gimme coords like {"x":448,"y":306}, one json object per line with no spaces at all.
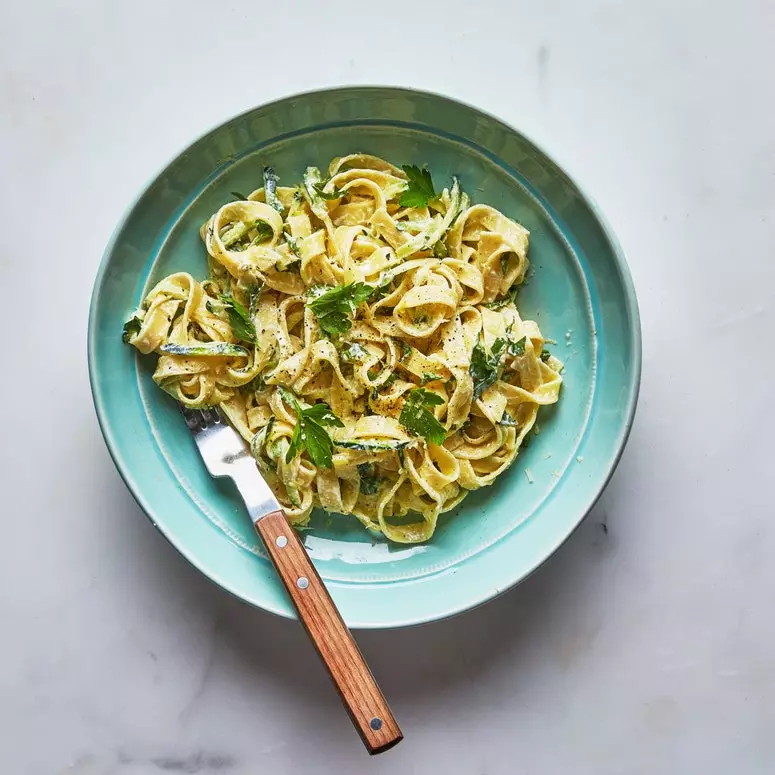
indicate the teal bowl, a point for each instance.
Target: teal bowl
{"x":579,"y":290}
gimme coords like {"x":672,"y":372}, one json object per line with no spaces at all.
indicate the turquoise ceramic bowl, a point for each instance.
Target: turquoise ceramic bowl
{"x":580,"y":285}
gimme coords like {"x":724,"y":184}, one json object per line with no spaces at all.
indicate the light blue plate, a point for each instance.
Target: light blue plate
{"x":579,"y":286}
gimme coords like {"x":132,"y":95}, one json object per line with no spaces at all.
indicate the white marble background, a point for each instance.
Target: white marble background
{"x":646,"y":650}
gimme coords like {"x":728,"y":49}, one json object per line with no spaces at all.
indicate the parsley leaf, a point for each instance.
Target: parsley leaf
{"x":508,"y":421}
{"x":429,"y":376}
{"x":293,"y":245}
{"x":257,"y":385}
{"x":131,"y":327}
{"x":254,"y":292}
{"x":419,"y":190}
{"x":500,"y":303}
{"x":369,"y":479}
{"x":384,"y":287}
{"x":406,"y":349}
{"x":264,"y":231}
{"x":313,"y":180}
{"x":337,"y":193}
{"x":440,"y":249}
{"x":235,"y":236}
{"x":517,"y":348}
{"x":418,"y":420}
{"x":510,"y":297}
{"x":355,"y":352}
{"x":321,"y":414}
{"x":309,"y":432}
{"x":334,"y":308}
{"x":484,"y":365}
{"x":270,"y":190}
{"x":239,"y":319}
{"x":545,"y":355}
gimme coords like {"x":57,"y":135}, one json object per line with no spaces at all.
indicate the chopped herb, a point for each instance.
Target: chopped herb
{"x":264,"y":231}
{"x":406,"y":349}
{"x":418,"y":420}
{"x":255,"y":294}
{"x":334,"y":307}
{"x":213,"y":349}
{"x":237,"y":195}
{"x":293,"y":245}
{"x":239,"y":231}
{"x":293,"y":266}
{"x":440,"y":249}
{"x":239,"y":319}
{"x":369,"y":479}
{"x":270,"y":190}
{"x":505,"y":259}
{"x":545,"y":355}
{"x":337,"y":193}
{"x":430,"y":377}
{"x":389,"y":381}
{"x":509,"y":298}
{"x":258,"y":447}
{"x":484,"y":365}
{"x":427,"y":238}
{"x":517,"y":348}
{"x":383,"y":289}
{"x":312,"y":181}
{"x":508,"y":421}
{"x":419,"y":190}
{"x":355,"y":352}
{"x":256,"y":384}
{"x":132,"y":327}
{"x":310,"y":433}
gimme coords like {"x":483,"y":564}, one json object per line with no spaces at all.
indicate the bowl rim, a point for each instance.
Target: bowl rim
{"x":630,"y":303}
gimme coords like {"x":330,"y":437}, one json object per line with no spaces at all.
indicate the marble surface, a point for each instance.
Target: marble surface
{"x":644,"y":646}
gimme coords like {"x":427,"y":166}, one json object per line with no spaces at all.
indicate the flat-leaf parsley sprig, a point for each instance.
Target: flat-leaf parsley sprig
{"x":334,"y":308}
{"x":419,"y":190}
{"x":417,"y":419}
{"x":309,"y":432}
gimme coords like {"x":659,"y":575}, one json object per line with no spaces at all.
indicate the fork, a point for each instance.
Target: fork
{"x":225,"y":454}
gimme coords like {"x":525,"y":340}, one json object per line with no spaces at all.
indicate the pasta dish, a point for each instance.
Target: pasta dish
{"x":360,"y":330}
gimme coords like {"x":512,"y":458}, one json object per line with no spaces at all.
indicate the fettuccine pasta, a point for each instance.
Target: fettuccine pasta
{"x":361,"y":332}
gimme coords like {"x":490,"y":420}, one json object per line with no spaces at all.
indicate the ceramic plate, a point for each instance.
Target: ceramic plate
{"x":579,"y":291}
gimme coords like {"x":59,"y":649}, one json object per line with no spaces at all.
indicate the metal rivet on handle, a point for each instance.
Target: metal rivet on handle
{"x":281,"y":541}
{"x":376,"y":724}
{"x":302,"y":582}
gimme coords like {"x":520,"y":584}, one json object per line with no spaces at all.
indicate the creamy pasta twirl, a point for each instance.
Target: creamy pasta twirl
{"x":360,"y":330}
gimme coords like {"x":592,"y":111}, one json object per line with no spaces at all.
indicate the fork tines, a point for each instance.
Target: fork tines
{"x":200,"y":419}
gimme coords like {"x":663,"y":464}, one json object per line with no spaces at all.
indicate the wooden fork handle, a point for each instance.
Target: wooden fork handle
{"x":334,"y":643}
